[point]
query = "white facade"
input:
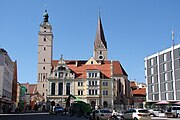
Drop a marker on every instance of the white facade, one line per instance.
(162, 73)
(6, 75)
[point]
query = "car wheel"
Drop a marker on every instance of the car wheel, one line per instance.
(178, 116)
(135, 118)
(122, 118)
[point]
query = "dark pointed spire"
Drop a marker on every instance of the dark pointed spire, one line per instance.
(100, 34)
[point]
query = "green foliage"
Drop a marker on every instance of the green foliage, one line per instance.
(80, 108)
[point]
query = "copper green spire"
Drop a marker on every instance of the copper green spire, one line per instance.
(46, 16)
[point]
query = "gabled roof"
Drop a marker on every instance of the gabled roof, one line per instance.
(91, 61)
(118, 69)
(79, 67)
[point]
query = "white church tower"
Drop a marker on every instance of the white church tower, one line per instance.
(45, 49)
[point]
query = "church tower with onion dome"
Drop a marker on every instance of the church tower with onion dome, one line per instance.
(45, 48)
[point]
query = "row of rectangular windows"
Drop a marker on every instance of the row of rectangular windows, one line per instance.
(80, 92)
(166, 96)
(164, 68)
(165, 88)
(92, 75)
(154, 79)
(165, 56)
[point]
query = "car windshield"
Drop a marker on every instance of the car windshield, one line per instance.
(105, 111)
(143, 111)
(175, 108)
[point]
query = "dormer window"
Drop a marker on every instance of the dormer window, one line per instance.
(91, 62)
(93, 74)
(44, 39)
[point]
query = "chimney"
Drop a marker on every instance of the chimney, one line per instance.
(76, 63)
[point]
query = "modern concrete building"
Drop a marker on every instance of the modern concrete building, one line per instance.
(6, 80)
(162, 73)
(98, 81)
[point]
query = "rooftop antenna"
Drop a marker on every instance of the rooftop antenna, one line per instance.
(172, 37)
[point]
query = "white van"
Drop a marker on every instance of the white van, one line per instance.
(175, 110)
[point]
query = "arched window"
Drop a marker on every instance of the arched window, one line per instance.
(67, 88)
(52, 88)
(93, 104)
(105, 104)
(60, 89)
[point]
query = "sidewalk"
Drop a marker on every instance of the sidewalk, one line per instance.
(27, 112)
(30, 113)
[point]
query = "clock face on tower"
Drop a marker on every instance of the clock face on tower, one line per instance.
(101, 57)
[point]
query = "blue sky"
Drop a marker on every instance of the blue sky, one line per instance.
(133, 30)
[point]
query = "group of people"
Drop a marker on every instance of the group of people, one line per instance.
(6, 108)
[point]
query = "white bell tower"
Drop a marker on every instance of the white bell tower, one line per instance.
(45, 48)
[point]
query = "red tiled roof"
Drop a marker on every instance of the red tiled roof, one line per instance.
(140, 91)
(105, 68)
(118, 69)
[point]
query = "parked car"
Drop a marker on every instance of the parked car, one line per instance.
(101, 114)
(58, 109)
(174, 110)
(154, 113)
(136, 114)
